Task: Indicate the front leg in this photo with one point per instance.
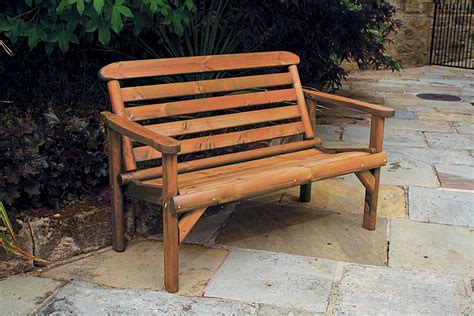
(170, 223)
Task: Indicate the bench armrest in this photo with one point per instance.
(124, 126)
(370, 108)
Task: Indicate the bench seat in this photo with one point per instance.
(228, 183)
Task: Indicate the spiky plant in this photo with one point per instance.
(8, 238)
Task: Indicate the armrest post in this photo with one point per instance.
(170, 222)
(376, 132)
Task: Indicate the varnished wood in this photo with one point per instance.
(371, 198)
(198, 164)
(141, 134)
(187, 222)
(311, 105)
(211, 123)
(367, 179)
(198, 64)
(227, 102)
(225, 140)
(226, 189)
(117, 105)
(309, 133)
(116, 198)
(170, 223)
(168, 90)
(187, 188)
(375, 109)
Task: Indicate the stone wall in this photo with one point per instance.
(411, 45)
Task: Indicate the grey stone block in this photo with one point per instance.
(431, 247)
(441, 206)
(86, 299)
(367, 290)
(275, 279)
(21, 295)
(450, 141)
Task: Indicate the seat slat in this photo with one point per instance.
(255, 182)
(153, 111)
(225, 140)
(169, 90)
(210, 123)
(198, 64)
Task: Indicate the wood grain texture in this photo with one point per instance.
(225, 140)
(170, 223)
(204, 163)
(210, 123)
(309, 132)
(229, 187)
(187, 222)
(116, 197)
(179, 89)
(141, 134)
(185, 65)
(333, 99)
(152, 111)
(117, 105)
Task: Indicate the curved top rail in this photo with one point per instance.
(185, 65)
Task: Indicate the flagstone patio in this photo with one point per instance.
(275, 256)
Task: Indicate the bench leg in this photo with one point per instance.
(305, 192)
(116, 197)
(170, 248)
(370, 205)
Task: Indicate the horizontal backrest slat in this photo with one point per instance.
(225, 140)
(152, 111)
(168, 90)
(210, 123)
(197, 64)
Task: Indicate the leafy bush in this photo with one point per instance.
(50, 139)
(323, 33)
(47, 159)
(61, 22)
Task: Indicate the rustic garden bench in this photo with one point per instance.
(247, 122)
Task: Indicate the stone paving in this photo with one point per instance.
(275, 256)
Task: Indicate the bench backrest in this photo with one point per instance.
(198, 119)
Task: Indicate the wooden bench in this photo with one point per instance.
(248, 121)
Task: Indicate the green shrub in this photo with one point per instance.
(62, 22)
(323, 33)
(51, 143)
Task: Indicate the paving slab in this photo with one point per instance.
(140, 266)
(206, 228)
(271, 310)
(408, 174)
(302, 231)
(345, 194)
(431, 247)
(87, 299)
(443, 117)
(360, 135)
(416, 125)
(456, 176)
(464, 128)
(23, 295)
(275, 279)
(441, 206)
(450, 141)
(367, 290)
(429, 155)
